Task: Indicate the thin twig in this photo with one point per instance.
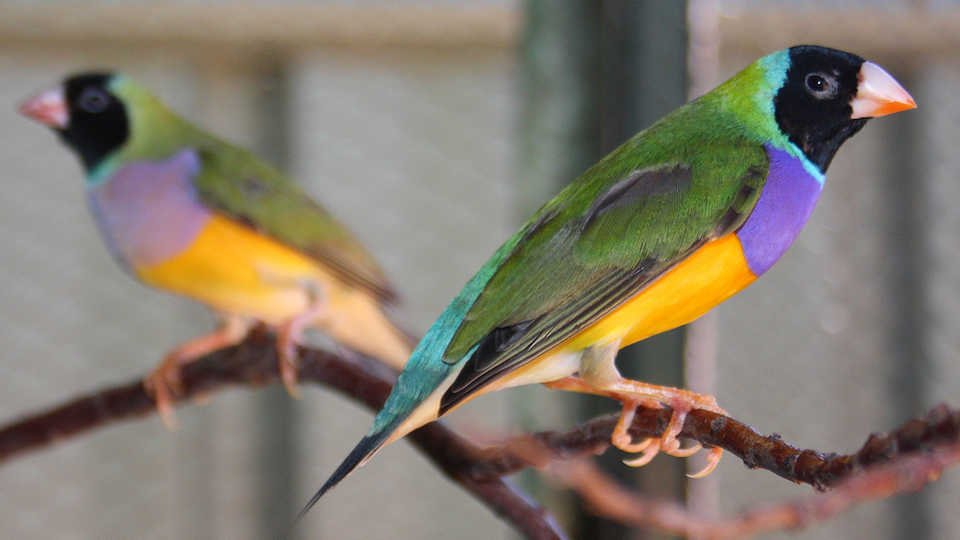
(607, 498)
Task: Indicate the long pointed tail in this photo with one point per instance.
(413, 402)
(364, 449)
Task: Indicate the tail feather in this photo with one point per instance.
(360, 453)
(413, 402)
(359, 323)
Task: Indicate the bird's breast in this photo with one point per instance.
(710, 275)
(785, 204)
(148, 212)
(153, 221)
(720, 268)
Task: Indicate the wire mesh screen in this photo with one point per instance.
(855, 330)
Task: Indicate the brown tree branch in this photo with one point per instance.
(607, 498)
(254, 362)
(941, 426)
(480, 470)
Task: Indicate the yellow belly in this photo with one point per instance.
(710, 275)
(235, 270)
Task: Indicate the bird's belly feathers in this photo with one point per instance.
(707, 277)
(233, 269)
(710, 275)
(154, 224)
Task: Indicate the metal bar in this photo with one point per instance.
(932, 31)
(558, 140)
(277, 413)
(595, 74)
(877, 32)
(274, 24)
(908, 280)
(645, 77)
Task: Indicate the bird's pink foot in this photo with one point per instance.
(633, 394)
(288, 336)
(165, 384)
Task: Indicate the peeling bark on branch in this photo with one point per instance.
(941, 426)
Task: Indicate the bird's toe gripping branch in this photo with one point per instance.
(633, 394)
(164, 382)
(289, 333)
(669, 442)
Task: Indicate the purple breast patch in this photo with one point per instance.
(785, 204)
(148, 212)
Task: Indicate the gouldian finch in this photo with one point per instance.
(680, 217)
(186, 212)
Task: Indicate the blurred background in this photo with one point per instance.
(433, 128)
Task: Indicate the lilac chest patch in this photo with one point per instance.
(785, 204)
(148, 212)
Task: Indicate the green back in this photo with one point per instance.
(693, 176)
(235, 183)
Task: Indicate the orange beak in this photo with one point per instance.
(48, 108)
(879, 94)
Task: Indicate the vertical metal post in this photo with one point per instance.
(644, 59)
(595, 73)
(560, 62)
(700, 351)
(559, 139)
(906, 208)
(276, 417)
(244, 98)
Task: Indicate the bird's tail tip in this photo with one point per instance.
(360, 453)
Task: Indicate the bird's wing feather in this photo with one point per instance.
(616, 229)
(238, 185)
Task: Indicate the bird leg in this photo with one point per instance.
(164, 382)
(289, 333)
(599, 376)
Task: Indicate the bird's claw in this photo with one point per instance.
(621, 438)
(646, 455)
(669, 442)
(164, 384)
(290, 332)
(713, 459)
(287, 364)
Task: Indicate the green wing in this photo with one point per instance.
(610, 233)
(237, 184)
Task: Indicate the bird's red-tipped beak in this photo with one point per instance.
(879, 94)
(48, 108)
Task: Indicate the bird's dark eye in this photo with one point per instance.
(93, 100)
(821, 85)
